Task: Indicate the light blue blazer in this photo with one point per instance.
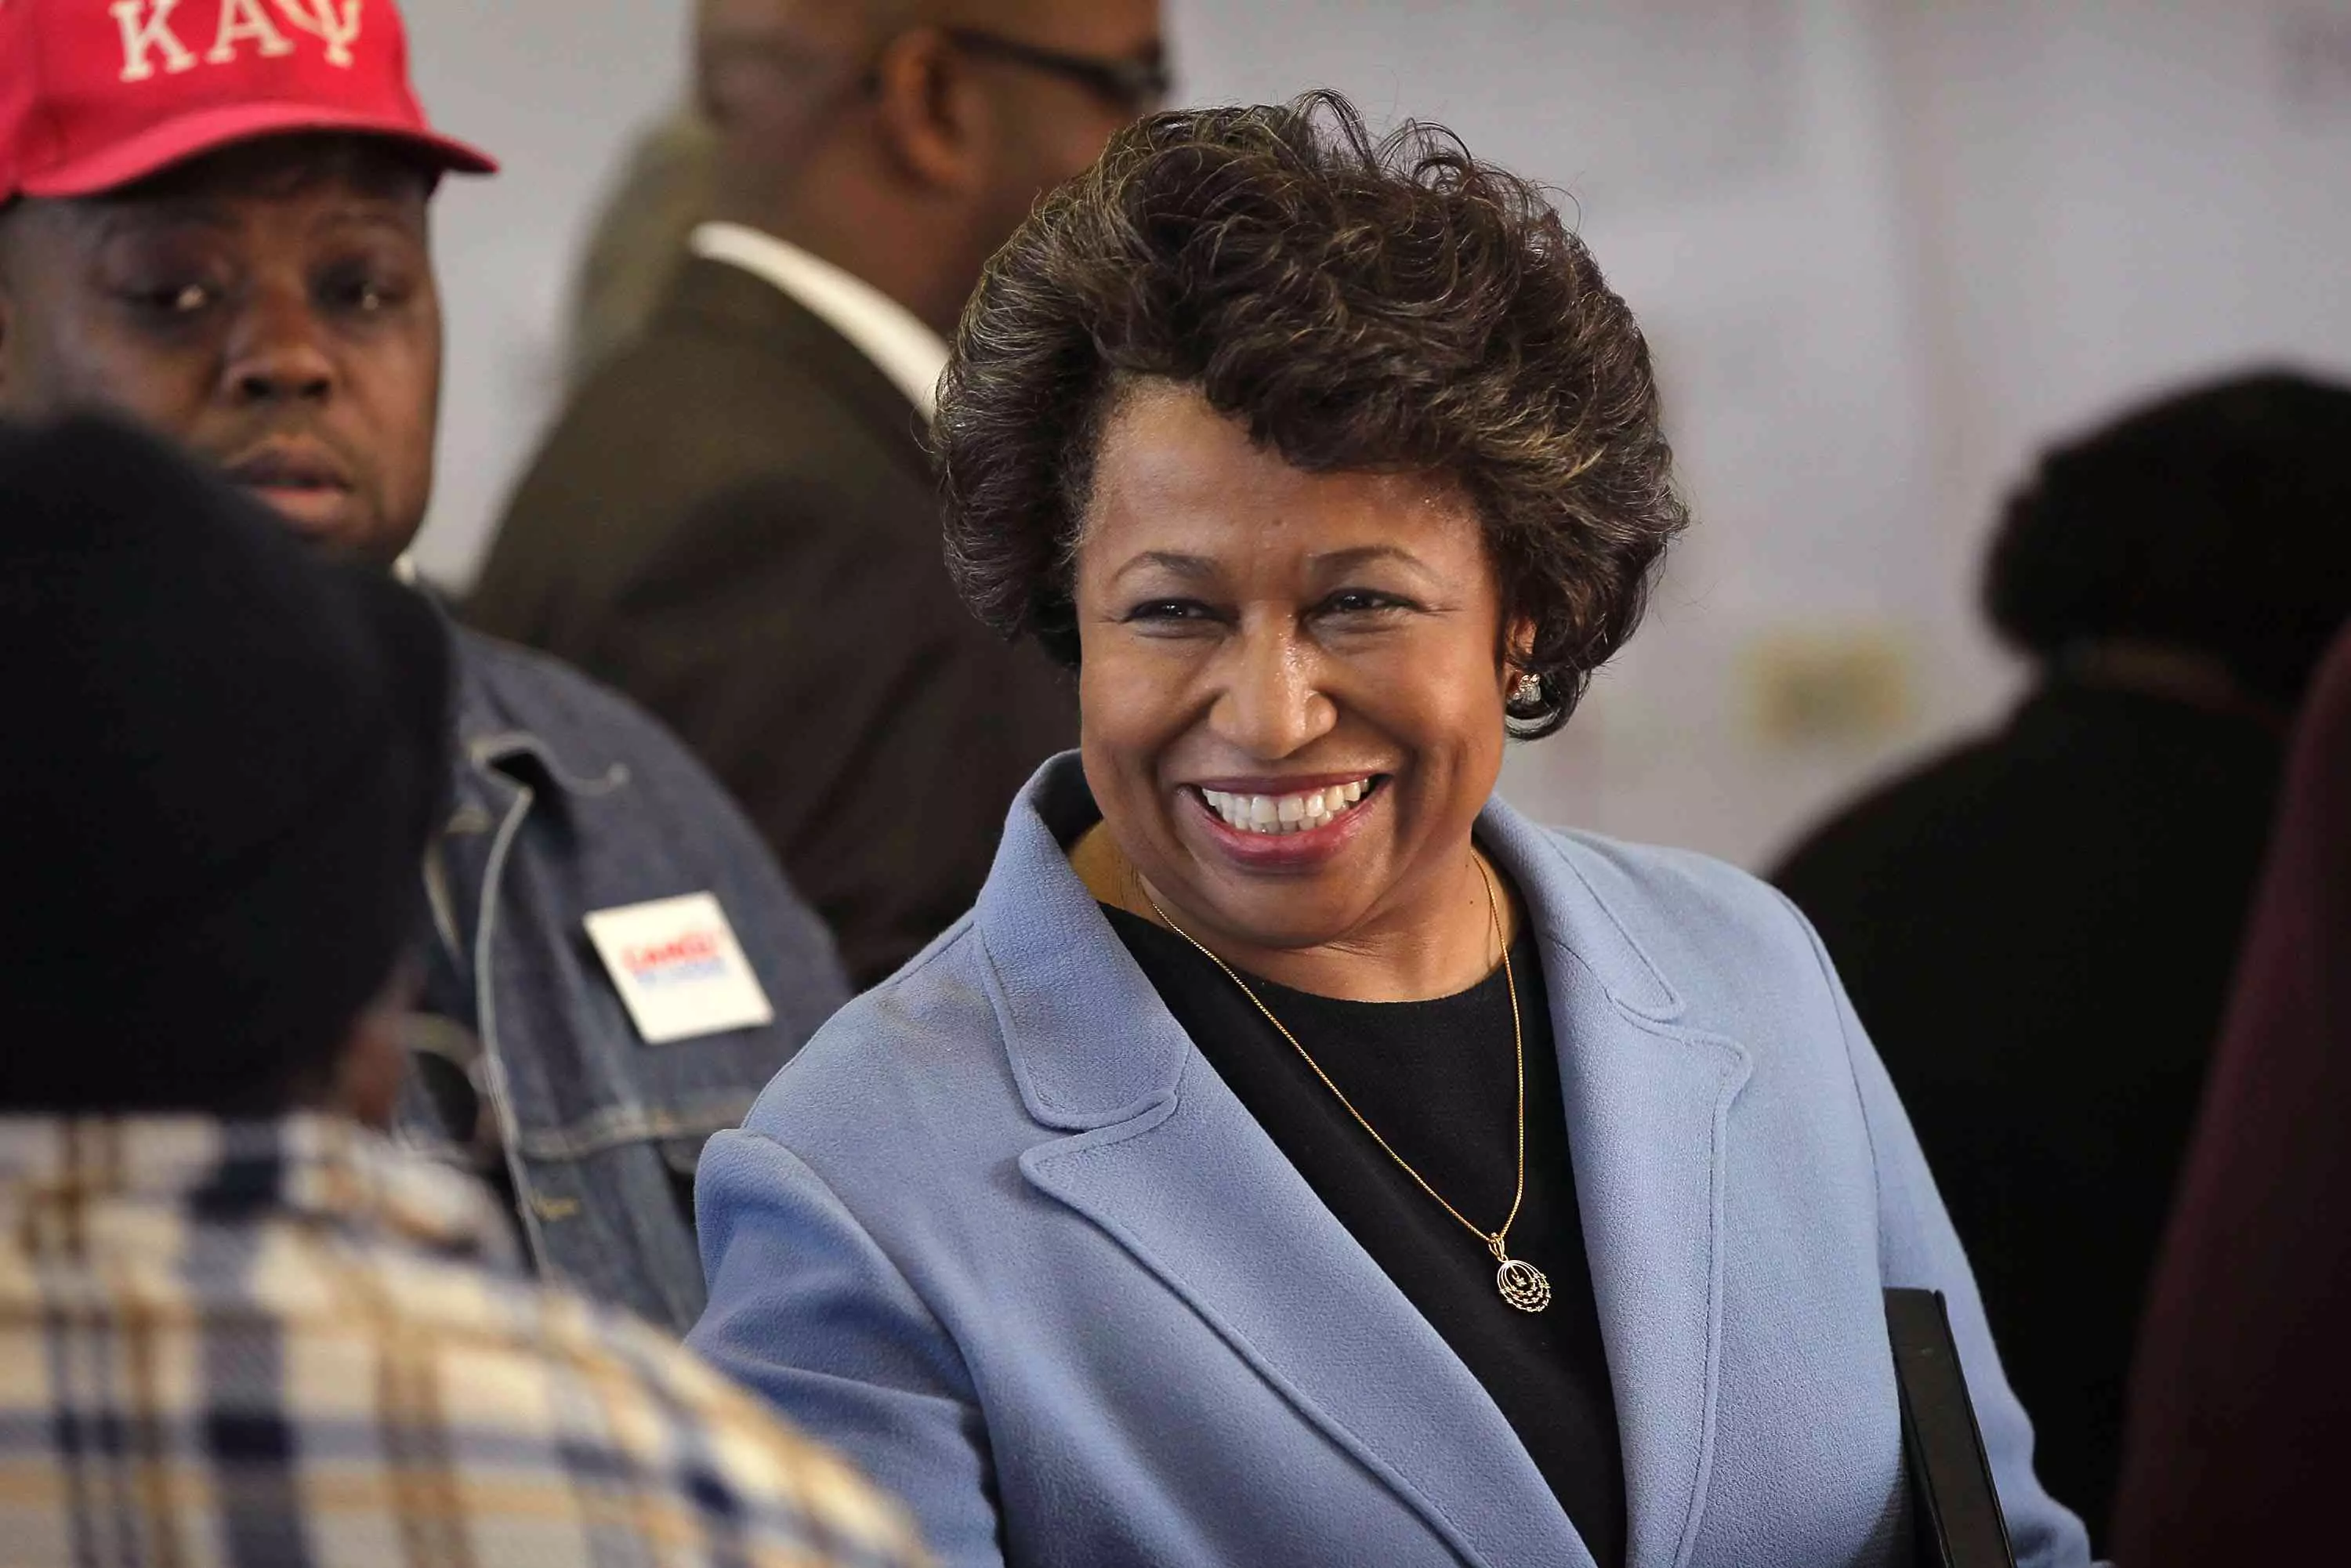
(1001, 1235)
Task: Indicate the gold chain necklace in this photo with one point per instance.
(1521, 1284)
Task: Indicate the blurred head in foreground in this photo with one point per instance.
(190, 937)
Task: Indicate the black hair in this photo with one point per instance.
(2217, 519)
(228, 756)
(1358, 305)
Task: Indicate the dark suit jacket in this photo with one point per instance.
(2037, 931)
(736, 523)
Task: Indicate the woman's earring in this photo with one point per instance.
(1528, 691)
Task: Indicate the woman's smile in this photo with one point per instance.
(1268, 824)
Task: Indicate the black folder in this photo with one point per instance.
(1954, 1504)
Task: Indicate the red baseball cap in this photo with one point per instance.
(95, 94)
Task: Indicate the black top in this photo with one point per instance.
(2037, 931)
(1437, 1079)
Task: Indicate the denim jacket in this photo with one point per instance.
(569, 800)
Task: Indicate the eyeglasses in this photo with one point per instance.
(1137, 85)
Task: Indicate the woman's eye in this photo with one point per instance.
(1360, 601)
(1169, 610)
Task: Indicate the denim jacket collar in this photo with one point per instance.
(489, 745)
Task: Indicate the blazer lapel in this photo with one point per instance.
(1170, 1164)
(1199, 1195)
(1648, 1107)
(1161, 1155)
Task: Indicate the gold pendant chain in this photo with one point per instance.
(1522, 1284)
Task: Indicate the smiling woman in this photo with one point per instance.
(1256, 635)
(1300, 1157)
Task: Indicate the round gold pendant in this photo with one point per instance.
(1522, 1285)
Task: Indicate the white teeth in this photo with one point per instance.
(1278, 814)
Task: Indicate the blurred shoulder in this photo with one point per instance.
(794, 1499)
(570, 1389)
(1923, 812)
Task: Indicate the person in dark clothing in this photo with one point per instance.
(735, 521)
(2240, 1396)
(2039, 926)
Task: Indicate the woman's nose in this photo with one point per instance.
(1272, 705)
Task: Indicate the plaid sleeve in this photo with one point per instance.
(585, 1437)
(260, 1388)
(747, 1487)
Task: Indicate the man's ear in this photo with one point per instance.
(367, 1077)
(934, 116)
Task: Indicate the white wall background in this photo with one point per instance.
(554, 90)
(1883, 249)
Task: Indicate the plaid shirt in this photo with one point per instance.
(286, 1343)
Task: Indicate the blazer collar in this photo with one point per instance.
(1059, 974)
(1169, 1155)
(491, 743)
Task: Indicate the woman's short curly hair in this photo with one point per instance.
(1357, 305)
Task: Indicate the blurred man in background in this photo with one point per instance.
(2039, 929)
(640, 241)
(213, 220)
(735, 521)
(235, 1325)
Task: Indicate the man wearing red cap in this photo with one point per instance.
(213, 219)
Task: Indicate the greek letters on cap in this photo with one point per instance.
(153, 41)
